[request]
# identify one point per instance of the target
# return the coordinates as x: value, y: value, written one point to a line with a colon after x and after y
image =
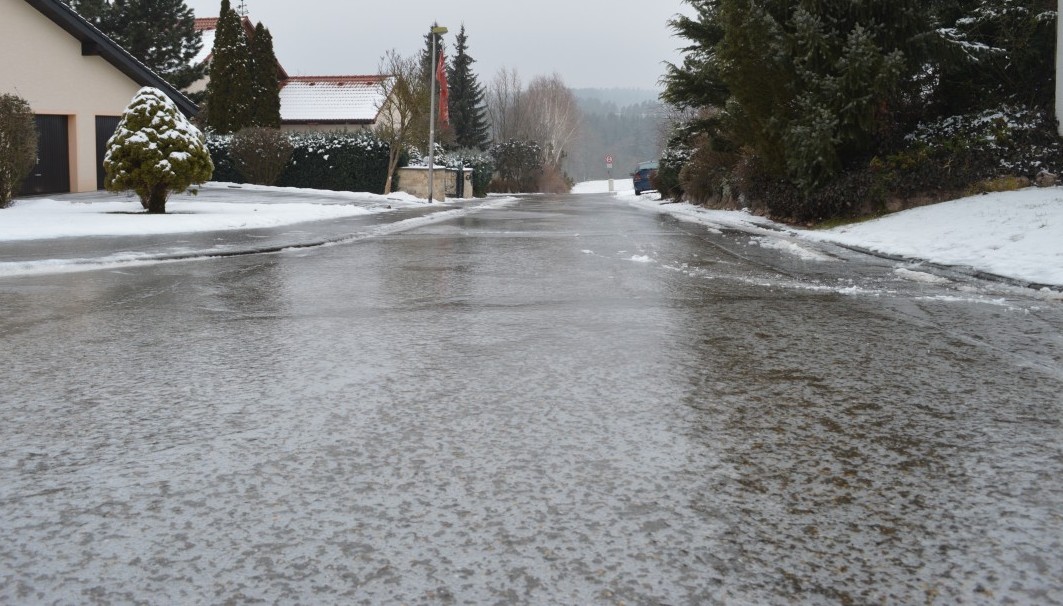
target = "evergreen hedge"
x: 333, y: 161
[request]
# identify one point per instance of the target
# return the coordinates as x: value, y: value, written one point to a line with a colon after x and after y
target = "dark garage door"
x: 52, y: 173
x: 105, y: 127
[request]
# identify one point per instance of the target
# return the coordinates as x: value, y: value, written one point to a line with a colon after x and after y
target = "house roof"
x: 95, y: 42
x: 208, y: 28
x: 331, y: 99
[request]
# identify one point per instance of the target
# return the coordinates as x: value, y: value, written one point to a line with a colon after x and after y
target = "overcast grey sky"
x: 591, y: 43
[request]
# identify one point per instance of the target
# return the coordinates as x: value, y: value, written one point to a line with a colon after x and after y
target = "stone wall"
x: 414, y: 181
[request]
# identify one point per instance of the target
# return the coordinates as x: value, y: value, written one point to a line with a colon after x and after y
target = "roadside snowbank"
x: 1016, y: 234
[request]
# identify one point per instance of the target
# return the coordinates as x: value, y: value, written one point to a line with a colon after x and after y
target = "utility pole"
x: 437, y: 30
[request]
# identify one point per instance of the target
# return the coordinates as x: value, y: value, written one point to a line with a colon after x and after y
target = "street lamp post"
x: 437, y: 30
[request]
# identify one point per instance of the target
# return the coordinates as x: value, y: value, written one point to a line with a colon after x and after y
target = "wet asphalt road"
x: 566, y: 401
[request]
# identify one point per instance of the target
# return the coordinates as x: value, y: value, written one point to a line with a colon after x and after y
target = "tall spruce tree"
x: 468, y: 110
x: 265, y: 87
x: 229, y: 90
x: 806, y: 85
x: 159, y: 33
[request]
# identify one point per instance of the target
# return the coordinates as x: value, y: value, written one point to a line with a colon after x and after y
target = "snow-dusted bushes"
x: 224, y: 169
x: 673, y: 159
x: 519, y: 165
x: 261, y: 154
x: 338, y: 161
x: 334, y: 161
x: 18, y: 145
x: 155, y: 151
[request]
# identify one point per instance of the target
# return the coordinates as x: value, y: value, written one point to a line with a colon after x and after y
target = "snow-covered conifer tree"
x: 229, y: 89
x: 265, y: 88
x: 155, y: 151
x: 468, y: 109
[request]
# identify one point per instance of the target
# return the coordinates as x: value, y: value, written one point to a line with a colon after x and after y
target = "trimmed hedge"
x: 333, y: 161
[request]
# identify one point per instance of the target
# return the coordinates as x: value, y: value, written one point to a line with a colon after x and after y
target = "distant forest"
x: 625, y: 123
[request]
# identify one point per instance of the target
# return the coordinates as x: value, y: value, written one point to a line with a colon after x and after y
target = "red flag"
x: 444, y: 93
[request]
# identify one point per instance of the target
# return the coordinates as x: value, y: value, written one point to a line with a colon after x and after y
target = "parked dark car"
x: 644, y: 173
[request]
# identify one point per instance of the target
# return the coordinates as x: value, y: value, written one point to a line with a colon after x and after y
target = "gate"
x: 52, y: 173
x: 105, y: 127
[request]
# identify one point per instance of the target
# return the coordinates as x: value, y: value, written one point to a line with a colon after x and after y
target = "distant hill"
x: 624, y: 123
x: 621, y: 97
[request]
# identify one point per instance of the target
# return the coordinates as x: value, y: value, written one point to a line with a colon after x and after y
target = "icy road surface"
x: 567, y: 401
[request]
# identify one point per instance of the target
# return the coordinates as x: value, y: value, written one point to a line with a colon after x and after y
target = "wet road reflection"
x: 566, y: 401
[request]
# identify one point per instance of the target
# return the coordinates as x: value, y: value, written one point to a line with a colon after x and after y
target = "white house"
x: 77, y: 81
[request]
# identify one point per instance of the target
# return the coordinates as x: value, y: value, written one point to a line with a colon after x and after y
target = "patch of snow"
x: 641, y: 259
x: 792, y: 248
x: 1018, y: 234
x: 920, y: 276
x: 620, y: 186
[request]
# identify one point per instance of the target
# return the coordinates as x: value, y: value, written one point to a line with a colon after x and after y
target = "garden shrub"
x: 261, y: 154
x: 666, y: 179
x: 18, y: 145
x: 706, y: 177
x: 518, y: 165
x: 553, y: 180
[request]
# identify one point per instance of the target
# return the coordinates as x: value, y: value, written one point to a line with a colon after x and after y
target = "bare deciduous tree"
x: 403, y: 105
x: 546, y: 112
x: 504, y: 104
x: 552, y: 114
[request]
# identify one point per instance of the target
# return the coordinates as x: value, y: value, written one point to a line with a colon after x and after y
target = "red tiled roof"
x: 363, y: 79
x: 206, y: 23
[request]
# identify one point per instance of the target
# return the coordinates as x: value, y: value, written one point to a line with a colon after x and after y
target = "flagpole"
x: 436, y: 31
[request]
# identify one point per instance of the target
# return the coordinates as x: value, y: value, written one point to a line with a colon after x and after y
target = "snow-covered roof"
x: 208, y: 28
x: 331, y: 99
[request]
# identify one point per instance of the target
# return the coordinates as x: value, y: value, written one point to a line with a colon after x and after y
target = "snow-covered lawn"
x: 219, y: 206
x: 1016, y: 234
